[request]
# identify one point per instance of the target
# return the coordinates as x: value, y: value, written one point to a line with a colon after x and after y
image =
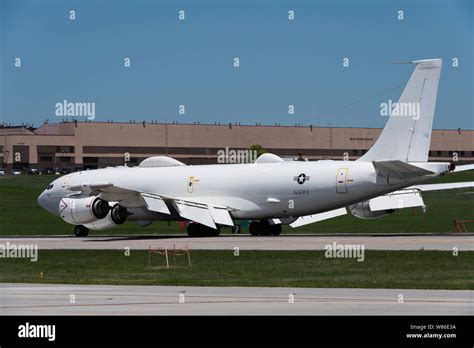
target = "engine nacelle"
x: 362, y: 211
x: 80, y: 211
x: 116, y: 216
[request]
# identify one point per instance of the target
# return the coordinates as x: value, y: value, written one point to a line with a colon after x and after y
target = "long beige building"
x: 97, y: 144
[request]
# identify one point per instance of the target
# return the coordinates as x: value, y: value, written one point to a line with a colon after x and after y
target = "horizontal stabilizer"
x: 398, y: 169
x: 463, y: 168
x: 309, y: 219
x: 439, y: 187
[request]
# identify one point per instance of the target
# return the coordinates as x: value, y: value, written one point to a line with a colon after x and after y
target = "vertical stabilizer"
x: 407, y: 134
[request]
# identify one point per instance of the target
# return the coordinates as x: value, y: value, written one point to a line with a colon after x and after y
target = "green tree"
x: 258, y: 148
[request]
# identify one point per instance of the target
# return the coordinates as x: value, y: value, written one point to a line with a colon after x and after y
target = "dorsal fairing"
x: 160, y: 161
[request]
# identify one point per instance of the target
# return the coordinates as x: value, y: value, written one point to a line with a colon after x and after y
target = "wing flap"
x: 397, y: 200
x: 309, y: 219
x: 221, y: 215
x: 195, y: 213
x: 155, y: 203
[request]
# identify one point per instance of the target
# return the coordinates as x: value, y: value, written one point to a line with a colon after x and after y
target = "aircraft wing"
x: 203, y: 213
x: 90, y: 186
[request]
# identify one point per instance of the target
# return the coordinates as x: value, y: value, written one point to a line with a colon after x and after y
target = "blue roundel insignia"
x: 301, y: 179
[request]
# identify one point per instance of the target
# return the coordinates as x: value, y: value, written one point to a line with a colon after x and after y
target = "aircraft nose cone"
x: 49, y: 204
x: 41, y: 200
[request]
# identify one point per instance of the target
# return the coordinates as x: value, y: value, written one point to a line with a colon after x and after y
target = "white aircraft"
x: 270, y: 191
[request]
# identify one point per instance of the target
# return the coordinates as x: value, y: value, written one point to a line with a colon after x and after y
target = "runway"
x: 463, y: 242
x: 38, y: 299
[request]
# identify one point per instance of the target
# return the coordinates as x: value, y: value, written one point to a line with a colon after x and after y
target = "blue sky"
x: 190, y: 62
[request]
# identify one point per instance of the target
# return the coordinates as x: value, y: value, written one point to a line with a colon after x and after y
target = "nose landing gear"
x: 81, y: 231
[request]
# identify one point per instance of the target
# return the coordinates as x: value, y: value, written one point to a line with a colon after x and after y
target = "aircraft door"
x: 341, y: 180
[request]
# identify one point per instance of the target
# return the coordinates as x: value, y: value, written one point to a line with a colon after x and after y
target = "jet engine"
x: 362, y: 211
x: 80, y: 211
x: 116, y: 216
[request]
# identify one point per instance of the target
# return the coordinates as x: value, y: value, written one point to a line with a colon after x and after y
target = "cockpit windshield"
x: 50, y: 186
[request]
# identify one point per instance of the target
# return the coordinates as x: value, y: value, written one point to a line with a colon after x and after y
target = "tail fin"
x: 407, y: 134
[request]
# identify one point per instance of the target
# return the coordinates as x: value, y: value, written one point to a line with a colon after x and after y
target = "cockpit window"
x: 50, y: 186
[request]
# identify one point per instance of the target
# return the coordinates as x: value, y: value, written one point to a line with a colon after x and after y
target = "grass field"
x: 21, y: 215
x: 381, y: 269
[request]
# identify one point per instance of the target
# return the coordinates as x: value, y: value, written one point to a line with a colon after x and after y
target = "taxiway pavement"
x: 244, y: 242
x: 50, y: 299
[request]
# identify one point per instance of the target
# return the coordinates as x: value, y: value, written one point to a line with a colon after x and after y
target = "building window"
x: 64, y: 149
x: 90, y: 160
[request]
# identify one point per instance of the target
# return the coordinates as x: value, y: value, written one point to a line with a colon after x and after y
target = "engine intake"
x: 80, y: 211
x: 116, y: 216
x: 100, y: 208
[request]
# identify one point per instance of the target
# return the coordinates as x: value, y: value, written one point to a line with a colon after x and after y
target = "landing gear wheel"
x: 276, y: 230
x: 214, y: 232
x: 198, y: 230
x: 263, y: 228
x: 81, y: 231
x: 193, y: 230
x: 254, y: 228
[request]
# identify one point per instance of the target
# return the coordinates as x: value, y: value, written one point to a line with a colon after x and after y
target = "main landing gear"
x: 81, y: 231
x: 263, y: 228
x: 198, y: 230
